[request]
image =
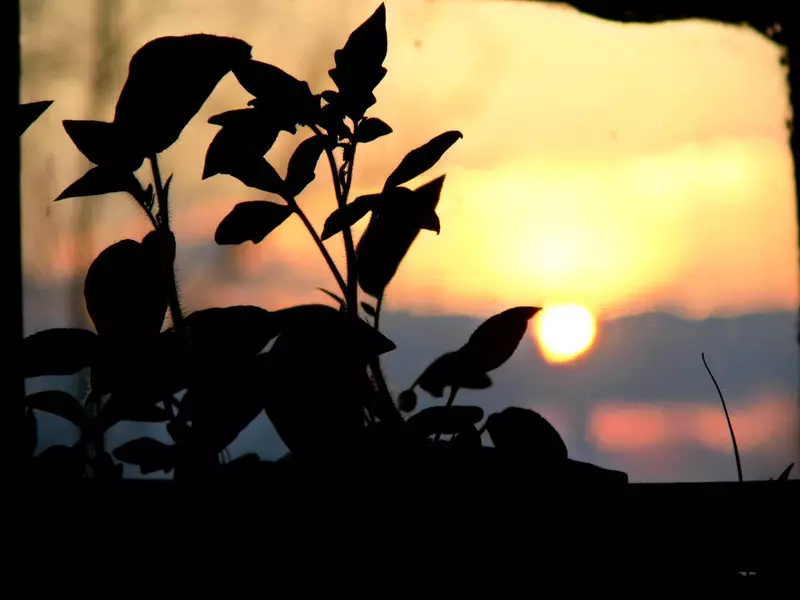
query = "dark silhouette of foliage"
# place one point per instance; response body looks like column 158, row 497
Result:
column 320, row 381
column 28, row 113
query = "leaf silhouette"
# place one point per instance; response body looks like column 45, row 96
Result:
column 124, row 291
column 452, row 370
column 336, row 297
column 251, row 221
column 148, row 454
column 105, row 144
column 523, row 434
column 407, row 401
column 30, row 432
column 303, row 164
column 496, row 339
column 227, row 156
column 348, row 216
column 286, row 98
column 369, row 309
column 60, row 404
column 58, row 352
column 232, row 329
column 444, row 419
column 29, row 112
column 784, row 476
column 421, row 159
column 359, row 65
column 126, row 407
column 251, row 129
column 104, row 180
column 391, row 231
column 371, row 129
column 169, row 79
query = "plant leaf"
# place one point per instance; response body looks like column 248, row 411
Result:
column 369, row 309
column 523, row 434
column 227, row 155
column 58, row 352
column 60, row 404
column 29, row 112
column 784, row 476
column 124, row 291
column 421, row 159
column 371, row 129
column 444, row 419
column 105, row 144
column 407, row 401
column 349, row 215
column 496, row 339
column 452, row 370
column 391, row 231
column 169, row 79
column 148, row 454
column 359, row 65
column 251, row 221
column 232, row 329
column 104, row 180
column 127, row 407
column 336, row 297
column 303, row 164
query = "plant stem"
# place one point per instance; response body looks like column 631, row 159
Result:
column 168, row 269
column 378, row 306
column 318, row 241
column 450, row 399
column 728, row 418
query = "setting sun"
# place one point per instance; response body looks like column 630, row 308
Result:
column 565, row 331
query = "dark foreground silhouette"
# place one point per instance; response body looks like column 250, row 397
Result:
column 320, row 382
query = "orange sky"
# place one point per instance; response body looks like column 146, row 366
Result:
column 624, row 167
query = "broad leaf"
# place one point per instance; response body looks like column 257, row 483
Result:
column 106, row 144
column 169, row 79
column 29, row 112
column 371, row 129
column 348, row 216
column 148, row 454
column 444, row 420
column 359, row 65
column 392, row 230
column 60, row 404
column 123, row 406
column 246, row 130
column 105, row 180
column 497, row 338
column 251, row 221
column 303, row 164
column 369, row 309
column 227, row 155
column 522, row 434
column 58, row 352
column 421, row 159
column 452, row 370
column 232, row 329
column 125, row 292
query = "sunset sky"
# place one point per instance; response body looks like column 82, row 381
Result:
column 627, row 168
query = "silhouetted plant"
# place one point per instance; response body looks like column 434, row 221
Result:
column 320, row 383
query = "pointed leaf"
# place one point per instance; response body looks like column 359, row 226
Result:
column 125, row 292
column 58, row 352
column 371, row 129
column 497, row 338
column 60, row 404
column 227, row 156
column 126, row 407
column 784, row 476
column 169, row 79
column 104, row 180
column 29, row 112
column 336, row 297
column 148, row 454
column 303, row 164
column 246, row 130
column 349, row 215
column 444, row 419
column 286, row 98
column 369, row 309
column 523, row 434
column 232, row 329
column 452, row 370
column 251, row 221
column 423, row 158
column 106, row 144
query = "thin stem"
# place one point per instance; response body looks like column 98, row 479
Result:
column 168, row 269
column 448, row 404
column 318, row 241
column 728, row 418
column 378, row 306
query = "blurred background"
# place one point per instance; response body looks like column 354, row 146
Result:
column 635, row 180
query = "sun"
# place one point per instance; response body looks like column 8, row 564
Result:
column 565, row 331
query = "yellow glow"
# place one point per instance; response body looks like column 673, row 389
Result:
column 565, row 331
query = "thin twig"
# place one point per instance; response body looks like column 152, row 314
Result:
column 378, row 306
column 728, row 418
column 318, row 241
